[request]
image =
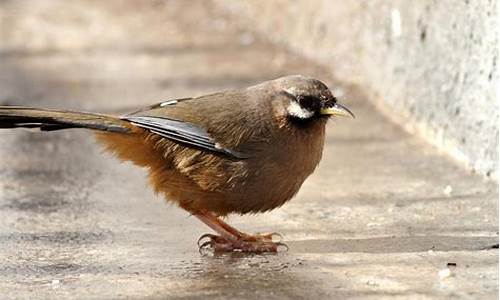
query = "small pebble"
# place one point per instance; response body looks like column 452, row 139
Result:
column 448, row 190
column 372, row 283
column 444, row 273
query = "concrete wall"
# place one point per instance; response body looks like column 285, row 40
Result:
column 431, row 64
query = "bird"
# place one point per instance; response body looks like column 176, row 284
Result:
column 239, row 151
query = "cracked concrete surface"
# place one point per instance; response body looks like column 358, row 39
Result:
column 384, row 216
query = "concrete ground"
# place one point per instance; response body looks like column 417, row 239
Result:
column 384, row 216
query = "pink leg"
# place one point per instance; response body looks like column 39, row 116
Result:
column 231, row 239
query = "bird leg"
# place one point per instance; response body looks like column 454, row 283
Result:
column 231, row 239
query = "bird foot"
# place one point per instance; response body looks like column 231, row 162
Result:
column 259, row 243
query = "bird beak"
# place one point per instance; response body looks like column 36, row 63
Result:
column 337, row 110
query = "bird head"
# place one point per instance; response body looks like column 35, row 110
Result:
column 308, row 98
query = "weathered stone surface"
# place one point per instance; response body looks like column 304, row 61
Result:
column 431, row 65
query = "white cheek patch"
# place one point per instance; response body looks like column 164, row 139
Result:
column 294, row 109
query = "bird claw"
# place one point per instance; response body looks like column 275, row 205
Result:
column 270, row 237
column 282, row 245
column 206, row 245
column 205, row 236
column 251, row 244
column 215, row 244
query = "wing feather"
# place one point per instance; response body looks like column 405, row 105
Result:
column 183, row 132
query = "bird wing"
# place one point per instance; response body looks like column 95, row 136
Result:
column 184, row 133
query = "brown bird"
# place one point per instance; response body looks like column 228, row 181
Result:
column 240, row 151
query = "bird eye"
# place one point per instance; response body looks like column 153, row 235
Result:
column 309, row 103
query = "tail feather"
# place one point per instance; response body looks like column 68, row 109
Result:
column 47, row 120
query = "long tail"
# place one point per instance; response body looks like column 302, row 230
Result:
column 47, row 120
column 110, row 130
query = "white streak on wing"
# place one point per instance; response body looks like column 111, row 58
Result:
column 169, row 102
column 294, row 109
